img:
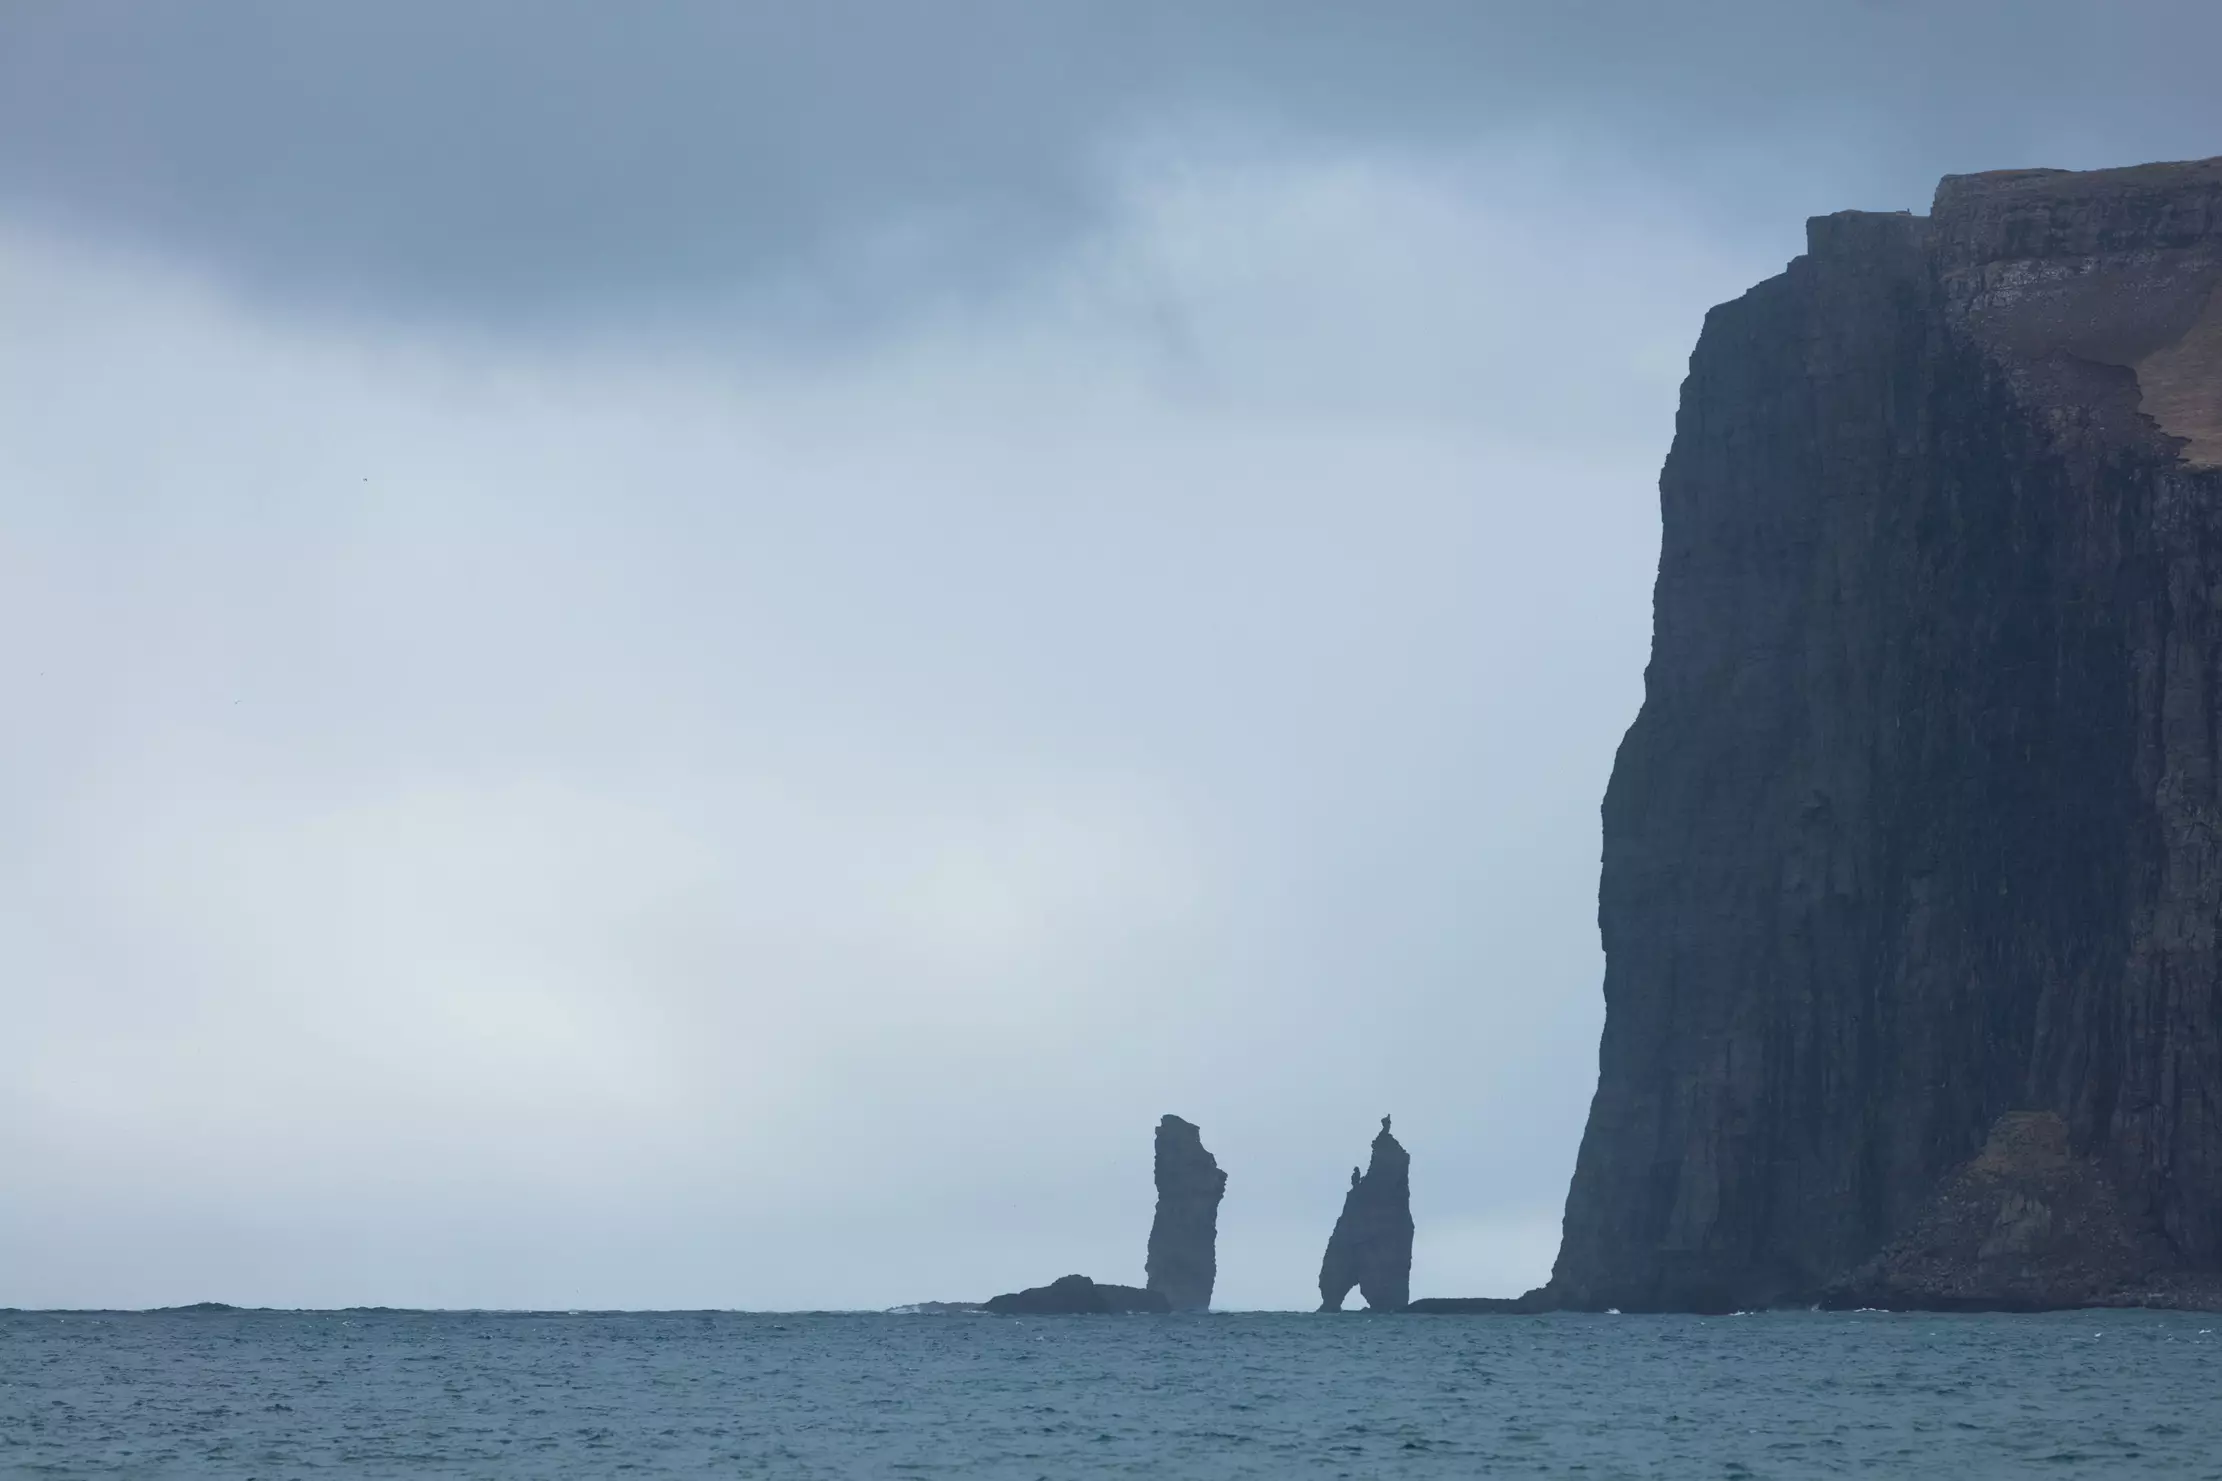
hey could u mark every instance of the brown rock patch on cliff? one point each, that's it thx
(2024, 1225)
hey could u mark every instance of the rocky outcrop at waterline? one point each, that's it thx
(1920, 825)
(1533, 1303)
(1182, 1261)
(1371, 1247)
(1183, 1252)
(2025, 1225)
(1076, 1295)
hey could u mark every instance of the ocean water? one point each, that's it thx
(727, 1394)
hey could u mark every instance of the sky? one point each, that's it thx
(699, 656)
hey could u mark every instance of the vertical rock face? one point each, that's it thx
(1920, 824)
(1371, 1247)
(1183, 1257)
(2024, 1225)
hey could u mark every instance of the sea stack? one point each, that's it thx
(1912, 850)
(1371, 1247)
(1183, 1255)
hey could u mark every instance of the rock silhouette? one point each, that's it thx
(1076, 1295)
(1917, 825)
(1528, 1305)
(1371, 1247)
(1183, 1254)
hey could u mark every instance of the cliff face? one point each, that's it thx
(1371, 1247)
(1919, 824)
(2025, 1225)
(1184, 1236)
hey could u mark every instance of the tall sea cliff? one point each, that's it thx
(1920, 826)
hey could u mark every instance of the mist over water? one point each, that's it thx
(633, 821)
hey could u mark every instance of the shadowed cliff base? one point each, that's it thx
(2025, 1225)
(1915, 830)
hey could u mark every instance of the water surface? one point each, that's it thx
(670, 1394)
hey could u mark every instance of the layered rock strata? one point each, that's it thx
(1920, 824)
(1371, 1247)
(1183, 1254)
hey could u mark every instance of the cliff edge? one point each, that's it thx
(1920, 824)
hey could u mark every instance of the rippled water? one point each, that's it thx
(360, 1394)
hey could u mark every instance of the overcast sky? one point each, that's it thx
(699, 655)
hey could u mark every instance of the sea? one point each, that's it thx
(512, 1394)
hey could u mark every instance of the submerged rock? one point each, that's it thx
(1183, 1258)
(1371, 1247)
(1076, 1295)
(1917, 825)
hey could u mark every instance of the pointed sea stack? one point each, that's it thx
(1371, 1247)
(1918, 825)
(1184, 1237)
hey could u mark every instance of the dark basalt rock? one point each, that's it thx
(1371, 1247)
(2023, 1226)
(1918, 823)
(1076, 1295)
(1528, 1305)
(1184, 1236)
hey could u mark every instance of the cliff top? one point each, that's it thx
(2006, 214)
(2109, 267)
(2002, 214)
(1957, 193)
